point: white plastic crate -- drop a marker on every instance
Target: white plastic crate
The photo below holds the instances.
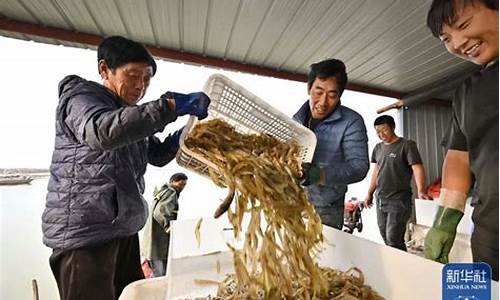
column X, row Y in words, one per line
column 248, row 114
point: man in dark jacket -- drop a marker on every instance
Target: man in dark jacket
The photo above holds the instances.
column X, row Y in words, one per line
column 103, row 142
column 164, row 209
column 469, row 30
column 341, row 154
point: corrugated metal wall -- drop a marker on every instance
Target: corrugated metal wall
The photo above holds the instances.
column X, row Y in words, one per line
column 426, row 124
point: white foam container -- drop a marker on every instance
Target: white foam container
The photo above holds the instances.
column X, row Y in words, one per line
column 392, row 273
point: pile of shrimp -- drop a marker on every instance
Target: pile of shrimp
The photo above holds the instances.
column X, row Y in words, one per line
column 277, row 260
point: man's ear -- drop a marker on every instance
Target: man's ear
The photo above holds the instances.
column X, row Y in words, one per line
column 103, row 69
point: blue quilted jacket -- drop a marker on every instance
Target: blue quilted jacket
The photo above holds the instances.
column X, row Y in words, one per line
column 100, row 155
column 341, row 150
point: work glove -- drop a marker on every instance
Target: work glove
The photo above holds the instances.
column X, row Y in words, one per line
column 311, row 174
column 172, row 140
column 195, row 104
column 440, row 238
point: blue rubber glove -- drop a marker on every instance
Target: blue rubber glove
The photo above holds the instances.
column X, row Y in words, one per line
column 195, row 104
column 311, row 174
column 172, row 140
column 440, row 238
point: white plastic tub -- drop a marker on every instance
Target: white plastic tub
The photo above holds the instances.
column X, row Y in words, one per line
column 392, row 273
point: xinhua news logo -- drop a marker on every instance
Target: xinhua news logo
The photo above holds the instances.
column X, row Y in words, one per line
column 466, row 281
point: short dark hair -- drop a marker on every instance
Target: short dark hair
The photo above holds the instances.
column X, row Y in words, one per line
column 445, row 12
column 178, row 176
column 117, row 51
column 328, row 68
column 385, row 119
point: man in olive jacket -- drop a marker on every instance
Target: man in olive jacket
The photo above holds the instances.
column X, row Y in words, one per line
column 157, row 231
column 103, row 143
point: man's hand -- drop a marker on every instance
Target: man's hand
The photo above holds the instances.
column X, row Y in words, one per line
column 368, row 200
column 423, row 195
column 195, row 104
column 311, row 174
column 440, row 238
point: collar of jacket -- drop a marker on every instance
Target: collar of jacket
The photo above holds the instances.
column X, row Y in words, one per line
column 173, row 188
column 489, row 66
column 111, row 93
column 304, row 110
column 73, row 85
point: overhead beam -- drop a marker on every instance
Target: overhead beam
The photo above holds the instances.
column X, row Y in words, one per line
column 170, row 54
column 49, row 32
column 400, row 103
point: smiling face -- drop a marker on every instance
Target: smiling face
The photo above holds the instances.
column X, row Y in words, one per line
column 324, row 96
column 129, row 81
column 474, row 34
column 385, row 133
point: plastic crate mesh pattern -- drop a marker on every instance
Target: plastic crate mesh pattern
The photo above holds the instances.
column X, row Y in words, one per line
column 249, row 115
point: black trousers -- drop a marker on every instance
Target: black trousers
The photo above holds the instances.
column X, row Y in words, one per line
column 392, row 227
column 332, row 216
column 484, row 247
column 99, row 272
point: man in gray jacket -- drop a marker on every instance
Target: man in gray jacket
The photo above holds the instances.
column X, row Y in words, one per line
column 156, row 237
column 103, row 143
column 341, row 154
